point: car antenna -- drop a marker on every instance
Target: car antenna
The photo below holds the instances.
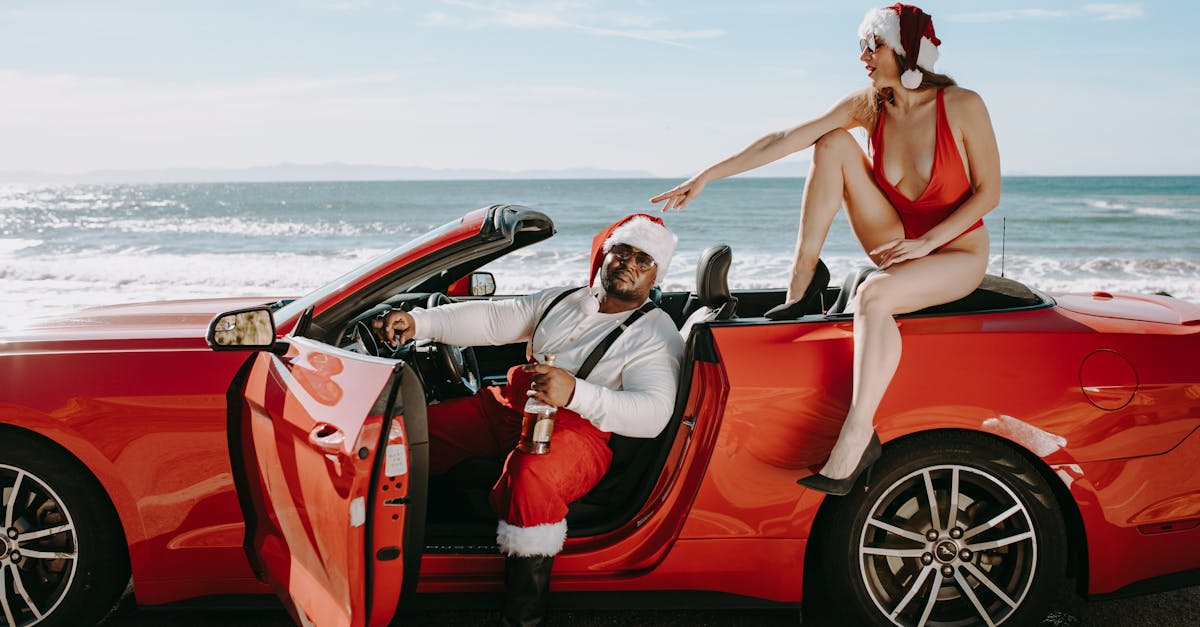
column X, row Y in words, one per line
column 1003, row 232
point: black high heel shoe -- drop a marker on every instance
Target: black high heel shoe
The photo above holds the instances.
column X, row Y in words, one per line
column 841, row 487
column 812, row 301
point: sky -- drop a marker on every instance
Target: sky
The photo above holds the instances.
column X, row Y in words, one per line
column 665, row 87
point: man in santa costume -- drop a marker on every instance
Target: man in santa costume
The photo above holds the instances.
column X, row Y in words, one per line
column 625, row 385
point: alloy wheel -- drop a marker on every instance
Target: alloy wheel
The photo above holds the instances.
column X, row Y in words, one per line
column 38, row 548
column 948, row 545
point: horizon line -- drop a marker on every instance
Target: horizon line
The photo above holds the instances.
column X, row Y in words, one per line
column 516, row 177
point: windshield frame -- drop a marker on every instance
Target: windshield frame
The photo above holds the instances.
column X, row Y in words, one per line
column 377, row 265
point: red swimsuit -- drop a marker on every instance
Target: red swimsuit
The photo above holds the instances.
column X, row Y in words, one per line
column 948, row 184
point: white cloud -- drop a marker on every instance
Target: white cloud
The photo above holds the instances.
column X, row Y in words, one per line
column 348, row 5
column 670, row 37
column 437, row 18
column 1009, row 15
column 1102, row 12
column 636, row 21
column 1109, row 12
column 570, row 16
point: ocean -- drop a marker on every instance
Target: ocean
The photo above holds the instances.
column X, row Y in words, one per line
column 66, row 247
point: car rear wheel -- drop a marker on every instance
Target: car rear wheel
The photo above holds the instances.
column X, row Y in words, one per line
column 62, row 558
column 952, row 529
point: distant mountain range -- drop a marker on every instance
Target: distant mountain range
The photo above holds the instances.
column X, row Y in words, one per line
column 295, row 172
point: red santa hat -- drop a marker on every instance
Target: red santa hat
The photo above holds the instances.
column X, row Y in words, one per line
column 639, row 230
column 905, row 28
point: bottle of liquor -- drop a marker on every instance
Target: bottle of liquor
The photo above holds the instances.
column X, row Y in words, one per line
column 538, row 424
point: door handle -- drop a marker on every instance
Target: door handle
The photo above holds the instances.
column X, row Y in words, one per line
column 327, row 438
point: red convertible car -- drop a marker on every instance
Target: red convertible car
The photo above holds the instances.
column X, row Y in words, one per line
column 1029, row 441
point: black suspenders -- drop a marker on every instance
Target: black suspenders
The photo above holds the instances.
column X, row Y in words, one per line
column 602, row 347
column 557, row 300
column 597, row 353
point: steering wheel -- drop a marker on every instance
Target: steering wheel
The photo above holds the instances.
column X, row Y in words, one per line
column 447, row 371
column 451, row 370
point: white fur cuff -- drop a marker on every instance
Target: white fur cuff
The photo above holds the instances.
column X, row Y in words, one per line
column 546, row 540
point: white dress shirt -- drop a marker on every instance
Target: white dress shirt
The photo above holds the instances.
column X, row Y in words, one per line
column 631, row 391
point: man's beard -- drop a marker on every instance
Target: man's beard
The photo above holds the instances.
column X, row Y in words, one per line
column 612, row 289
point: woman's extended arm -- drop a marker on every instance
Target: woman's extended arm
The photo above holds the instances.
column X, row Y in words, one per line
column 768, row 148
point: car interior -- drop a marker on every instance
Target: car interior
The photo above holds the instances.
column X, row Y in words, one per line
column 459, row 519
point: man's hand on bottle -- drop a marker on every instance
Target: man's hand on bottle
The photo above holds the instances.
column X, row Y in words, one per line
column 395, row 327
column 553, row 386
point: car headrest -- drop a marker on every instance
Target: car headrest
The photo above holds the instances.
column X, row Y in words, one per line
column 712, row 276
column 849, row 286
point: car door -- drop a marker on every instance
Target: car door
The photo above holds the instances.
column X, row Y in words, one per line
column 333, row 452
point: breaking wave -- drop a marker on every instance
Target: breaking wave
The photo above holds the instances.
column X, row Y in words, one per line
column 35, row 285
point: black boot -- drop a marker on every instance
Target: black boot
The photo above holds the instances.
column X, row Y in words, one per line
column 526, row 586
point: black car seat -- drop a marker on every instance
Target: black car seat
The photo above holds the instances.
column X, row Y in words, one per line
column 849, row 288
column 713, row 300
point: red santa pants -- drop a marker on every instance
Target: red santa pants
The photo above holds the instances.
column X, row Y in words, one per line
column 533, row 489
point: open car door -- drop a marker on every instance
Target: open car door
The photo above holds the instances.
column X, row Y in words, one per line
column 331, row 452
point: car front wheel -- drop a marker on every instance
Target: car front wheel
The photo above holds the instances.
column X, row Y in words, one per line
column 62, row 558
column 952, row 529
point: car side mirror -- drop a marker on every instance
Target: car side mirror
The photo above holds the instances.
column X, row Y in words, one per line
column 474, row 284
column 482, row 284
column 241, row 330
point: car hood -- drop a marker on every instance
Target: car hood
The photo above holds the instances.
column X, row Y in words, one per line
column 185, row 321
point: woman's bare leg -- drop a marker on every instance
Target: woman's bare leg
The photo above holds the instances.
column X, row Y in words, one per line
column 821, row 201
column 839, row 172
column 940, row 277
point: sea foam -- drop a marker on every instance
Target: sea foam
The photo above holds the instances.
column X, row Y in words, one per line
column 35, row 285
column 71, row 246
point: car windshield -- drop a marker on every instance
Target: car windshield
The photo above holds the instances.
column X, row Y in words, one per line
column 289, row 309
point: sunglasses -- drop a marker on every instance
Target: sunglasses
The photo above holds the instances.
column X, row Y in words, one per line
column 869, row 43
column 640, row 260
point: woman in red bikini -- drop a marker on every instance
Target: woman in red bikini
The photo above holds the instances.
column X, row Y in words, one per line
column 915, row 204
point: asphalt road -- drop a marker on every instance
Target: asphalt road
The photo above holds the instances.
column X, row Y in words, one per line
column 1167, row 609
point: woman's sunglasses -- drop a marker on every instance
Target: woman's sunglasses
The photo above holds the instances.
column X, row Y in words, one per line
column 869, row 43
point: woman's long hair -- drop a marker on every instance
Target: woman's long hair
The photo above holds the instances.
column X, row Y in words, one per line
column 873, row 105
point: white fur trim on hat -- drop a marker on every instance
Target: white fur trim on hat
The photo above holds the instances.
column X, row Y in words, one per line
column 885, row 23
column 928, row 55
column 653, row 238
column 546, row 539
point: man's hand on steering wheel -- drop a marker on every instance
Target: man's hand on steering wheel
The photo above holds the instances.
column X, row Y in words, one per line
column 395, row 327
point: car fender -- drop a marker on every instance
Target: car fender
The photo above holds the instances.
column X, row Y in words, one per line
column 92, row 460
column 1124, row 525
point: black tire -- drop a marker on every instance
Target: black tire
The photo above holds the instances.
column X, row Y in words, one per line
column 1006, row 520
column 56, row 509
